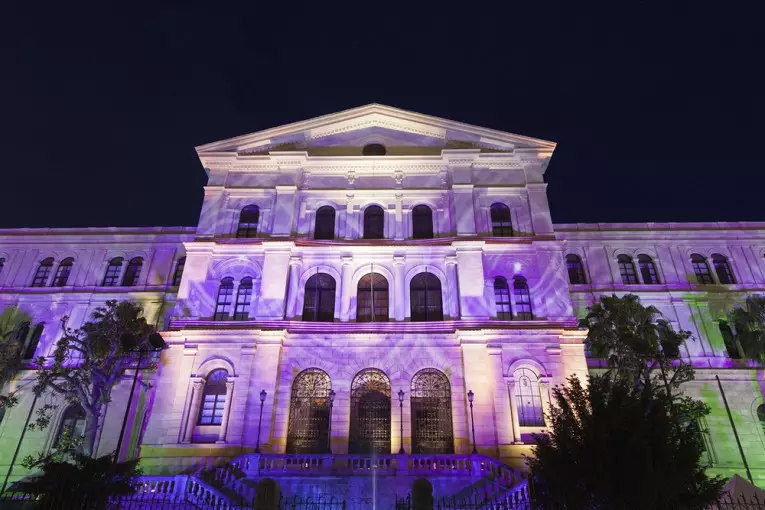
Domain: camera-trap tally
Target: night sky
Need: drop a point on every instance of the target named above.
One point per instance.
(657, 107)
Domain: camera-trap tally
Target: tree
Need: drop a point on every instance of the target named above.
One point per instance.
(640, 346)
(615, 445)
(83, 483)
(11, 349)
(88, 363)
(748, 327)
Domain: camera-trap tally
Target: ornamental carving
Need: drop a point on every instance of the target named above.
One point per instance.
(398, 176)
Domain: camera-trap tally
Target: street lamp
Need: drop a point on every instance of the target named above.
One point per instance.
(472, 417)
(329, 428)
(260, 420)
(129, 344)
(401, 407)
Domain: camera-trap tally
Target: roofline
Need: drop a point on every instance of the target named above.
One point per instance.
(658, 226)
(97, 230)
(366, 109)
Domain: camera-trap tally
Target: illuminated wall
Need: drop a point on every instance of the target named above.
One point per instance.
(459, 172)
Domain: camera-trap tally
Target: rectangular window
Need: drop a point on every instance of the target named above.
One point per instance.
(212, 409)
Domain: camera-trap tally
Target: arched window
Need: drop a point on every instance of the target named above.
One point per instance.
(374, 222)
(132, 272)
(243, 297)
(31, 341)
(319, 302)
(63, 272)
(178, 274)
(372, 298)
(701, 269)
(575, 269)
(248, 222)
(370, 413)
(431, 400)
(42, 273)
(501, 226)
(113, 270)
(72, 423)
(722, 268)
(325, 223)
(522, 299)
(528, 397)
(425, 298)
(2, 264)
(627, 270)
(213, 398)
(308, 425)
(648, 270)
(729, 340)
(223, 303)
(422, 222)
(502, 299)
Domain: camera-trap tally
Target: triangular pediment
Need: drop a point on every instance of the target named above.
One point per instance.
(395, 128)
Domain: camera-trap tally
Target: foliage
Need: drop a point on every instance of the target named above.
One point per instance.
(641, 347)
(748, 325)
(617, 446)
(11, 349)
(88, 363)
(84, 483)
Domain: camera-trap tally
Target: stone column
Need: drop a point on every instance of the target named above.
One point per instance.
(226, 412)
(451, 283)
(271, 302)
(399, 287)
(544, 389)
(349, 216)
(471, 280)
(502, 412)
(514, 411)
(463, 203)
(346, 287)
(195, 401)
(295, 264)
(399, 235)
(284, 211)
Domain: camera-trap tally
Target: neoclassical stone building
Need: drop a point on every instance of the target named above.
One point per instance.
(356, 285)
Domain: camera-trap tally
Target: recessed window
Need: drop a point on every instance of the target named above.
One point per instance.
(627, 270)
(178, 274)
(43, 272)
(722, 268)
(63, 272)
(374, 222)
(501, 225)
(112, 275)
(325, 223)
(701, 269)
(213, 398)
(648, 270)
(575, 269)
(502, 299)
(522, 299)
(374, 149)
(422, 222)
(225, 296)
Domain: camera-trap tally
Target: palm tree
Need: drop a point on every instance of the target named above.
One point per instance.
(747, 326)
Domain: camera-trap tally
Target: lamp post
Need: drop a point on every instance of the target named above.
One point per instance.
(472, 417)
(329, 427)
(260, 420)
(155, 344)
(401, 408)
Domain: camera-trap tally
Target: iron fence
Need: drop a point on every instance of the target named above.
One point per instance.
(148, 501)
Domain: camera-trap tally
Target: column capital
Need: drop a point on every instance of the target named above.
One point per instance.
(494, 350)
(349, 198)
(197, 383)
(450, 260)
(489, 282)
(399, 197)
(346, 260)
(296, 260)
(399, 260)
(229, 385)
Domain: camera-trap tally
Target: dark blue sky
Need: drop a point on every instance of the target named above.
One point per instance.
(657, 107)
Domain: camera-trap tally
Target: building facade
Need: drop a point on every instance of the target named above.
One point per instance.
(375, 296)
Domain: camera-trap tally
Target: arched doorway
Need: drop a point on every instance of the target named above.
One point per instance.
(431, 399)
(370, 412)
(308, 426)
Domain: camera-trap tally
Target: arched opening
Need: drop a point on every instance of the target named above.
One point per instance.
(422, 222)
(502, 299)
(248, 222)
(523, 310)
(308, 425)
(372, 298)
(213, 398)
(113, 270)
(63, 272)
(42, 273)
(575, 269)
(431, 401)
(132, 272)
(528, 398)
(627, 270)
(319, 301)
(72, 425)
(425, 298)
(324, 228)
(374, 222)
(370, 412)
(243, 298)
(501, 225)
(648, 270)
(225, 296)
(723, 270)
(701, 269)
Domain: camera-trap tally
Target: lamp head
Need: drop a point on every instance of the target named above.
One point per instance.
(470, 396)
(331, 395)
(400, 395)
(263, 395)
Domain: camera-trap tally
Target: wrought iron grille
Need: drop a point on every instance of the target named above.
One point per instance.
(308, 426)
(370, 412)
(528, 398)
(431, 399)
